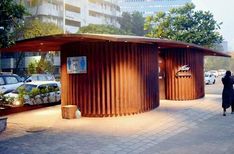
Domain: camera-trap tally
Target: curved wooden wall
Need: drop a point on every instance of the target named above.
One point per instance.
(122, 78)
(184, 87)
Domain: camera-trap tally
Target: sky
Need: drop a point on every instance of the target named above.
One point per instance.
(223, 11)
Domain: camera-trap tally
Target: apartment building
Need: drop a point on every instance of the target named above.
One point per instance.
(69, 15)
(85, 12)
(72, 14)
(150, 7)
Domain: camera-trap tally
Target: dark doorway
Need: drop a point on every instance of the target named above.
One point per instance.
(161, 76)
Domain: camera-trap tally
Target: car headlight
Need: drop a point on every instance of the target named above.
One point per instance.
(17, 102)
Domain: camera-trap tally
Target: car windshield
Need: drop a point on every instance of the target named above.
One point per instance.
(42, 77)
(213, 71)
(27, 87)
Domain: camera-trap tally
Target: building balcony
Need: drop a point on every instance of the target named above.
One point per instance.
(73, 16)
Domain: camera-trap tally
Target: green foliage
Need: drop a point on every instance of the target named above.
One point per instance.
(11, 17)
(125, 22)
(43, 92)
(44, 66)
(5, 100)
(100, 29)
(34, 92)
(35, 28)
(185, 24)
(132, 24)
(215, 63)
(138, 24)
(21, 93)
(52, 89)
(40, 93)
(32, 67)
(40, 67)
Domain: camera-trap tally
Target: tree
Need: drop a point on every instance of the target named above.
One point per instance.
(126, 22)
(132, 23)
(215, 63)
(42, 66)
(11, 18)
(35, 28)
(185, 24)
(32, 67)
(138, 24)
(100, 29)
(219, 63)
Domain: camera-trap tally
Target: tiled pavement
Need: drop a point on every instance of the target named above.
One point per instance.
(175, 127)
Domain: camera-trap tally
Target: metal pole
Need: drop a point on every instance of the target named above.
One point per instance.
(64, 16)
(0, 62)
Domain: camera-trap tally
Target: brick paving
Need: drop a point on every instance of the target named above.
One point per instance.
(195, 126)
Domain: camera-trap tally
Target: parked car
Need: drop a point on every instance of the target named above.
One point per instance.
(37, 92)
(214, 72)
(9, 82)
(40, 77)
(209, 78)
(221, 72)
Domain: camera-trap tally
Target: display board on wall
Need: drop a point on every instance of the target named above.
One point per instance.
(184, 71)
(77, 65)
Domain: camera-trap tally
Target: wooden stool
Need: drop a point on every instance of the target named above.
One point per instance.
(69, 111)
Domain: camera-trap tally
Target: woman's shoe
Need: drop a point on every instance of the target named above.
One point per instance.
(224, 114)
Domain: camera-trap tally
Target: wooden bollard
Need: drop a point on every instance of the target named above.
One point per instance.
(69, 111)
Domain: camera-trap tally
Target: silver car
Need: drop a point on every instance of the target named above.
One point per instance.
(40, 77)
(9, 82)
(37, 92)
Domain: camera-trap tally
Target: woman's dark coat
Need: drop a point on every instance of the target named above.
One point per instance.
(228, 92)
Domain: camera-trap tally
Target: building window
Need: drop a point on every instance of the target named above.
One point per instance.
(72, 23)
(72, 8)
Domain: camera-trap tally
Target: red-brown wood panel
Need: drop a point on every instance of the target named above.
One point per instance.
(121, 78)
(189, 84)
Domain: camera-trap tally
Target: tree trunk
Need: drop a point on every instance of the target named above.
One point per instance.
(18, 60)
(0, 62)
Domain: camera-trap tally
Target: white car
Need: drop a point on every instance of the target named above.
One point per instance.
(9, 82)
(209, 78)
(221, 72)
(37, 92)
(214, 72)
(40, 77)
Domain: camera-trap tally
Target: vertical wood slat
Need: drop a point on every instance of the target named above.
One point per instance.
(121, 78)
(184, 88)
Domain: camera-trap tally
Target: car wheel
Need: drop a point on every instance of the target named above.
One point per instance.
(27, 104)
(214, 82)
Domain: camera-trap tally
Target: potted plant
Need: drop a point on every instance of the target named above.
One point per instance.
(4, 101)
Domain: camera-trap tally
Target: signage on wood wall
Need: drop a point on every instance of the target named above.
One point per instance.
(76, 65)
(184, 71)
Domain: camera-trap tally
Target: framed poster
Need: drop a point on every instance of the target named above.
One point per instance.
(76, 65)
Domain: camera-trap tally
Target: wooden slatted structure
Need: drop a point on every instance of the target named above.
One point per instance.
(189, 84)
(122, 72)
(121, 78)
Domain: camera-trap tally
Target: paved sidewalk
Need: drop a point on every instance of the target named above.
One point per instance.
(175, 127)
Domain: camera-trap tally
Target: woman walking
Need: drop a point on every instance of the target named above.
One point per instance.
(228, 92)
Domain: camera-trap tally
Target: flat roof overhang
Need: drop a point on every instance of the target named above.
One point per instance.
(55, 42)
